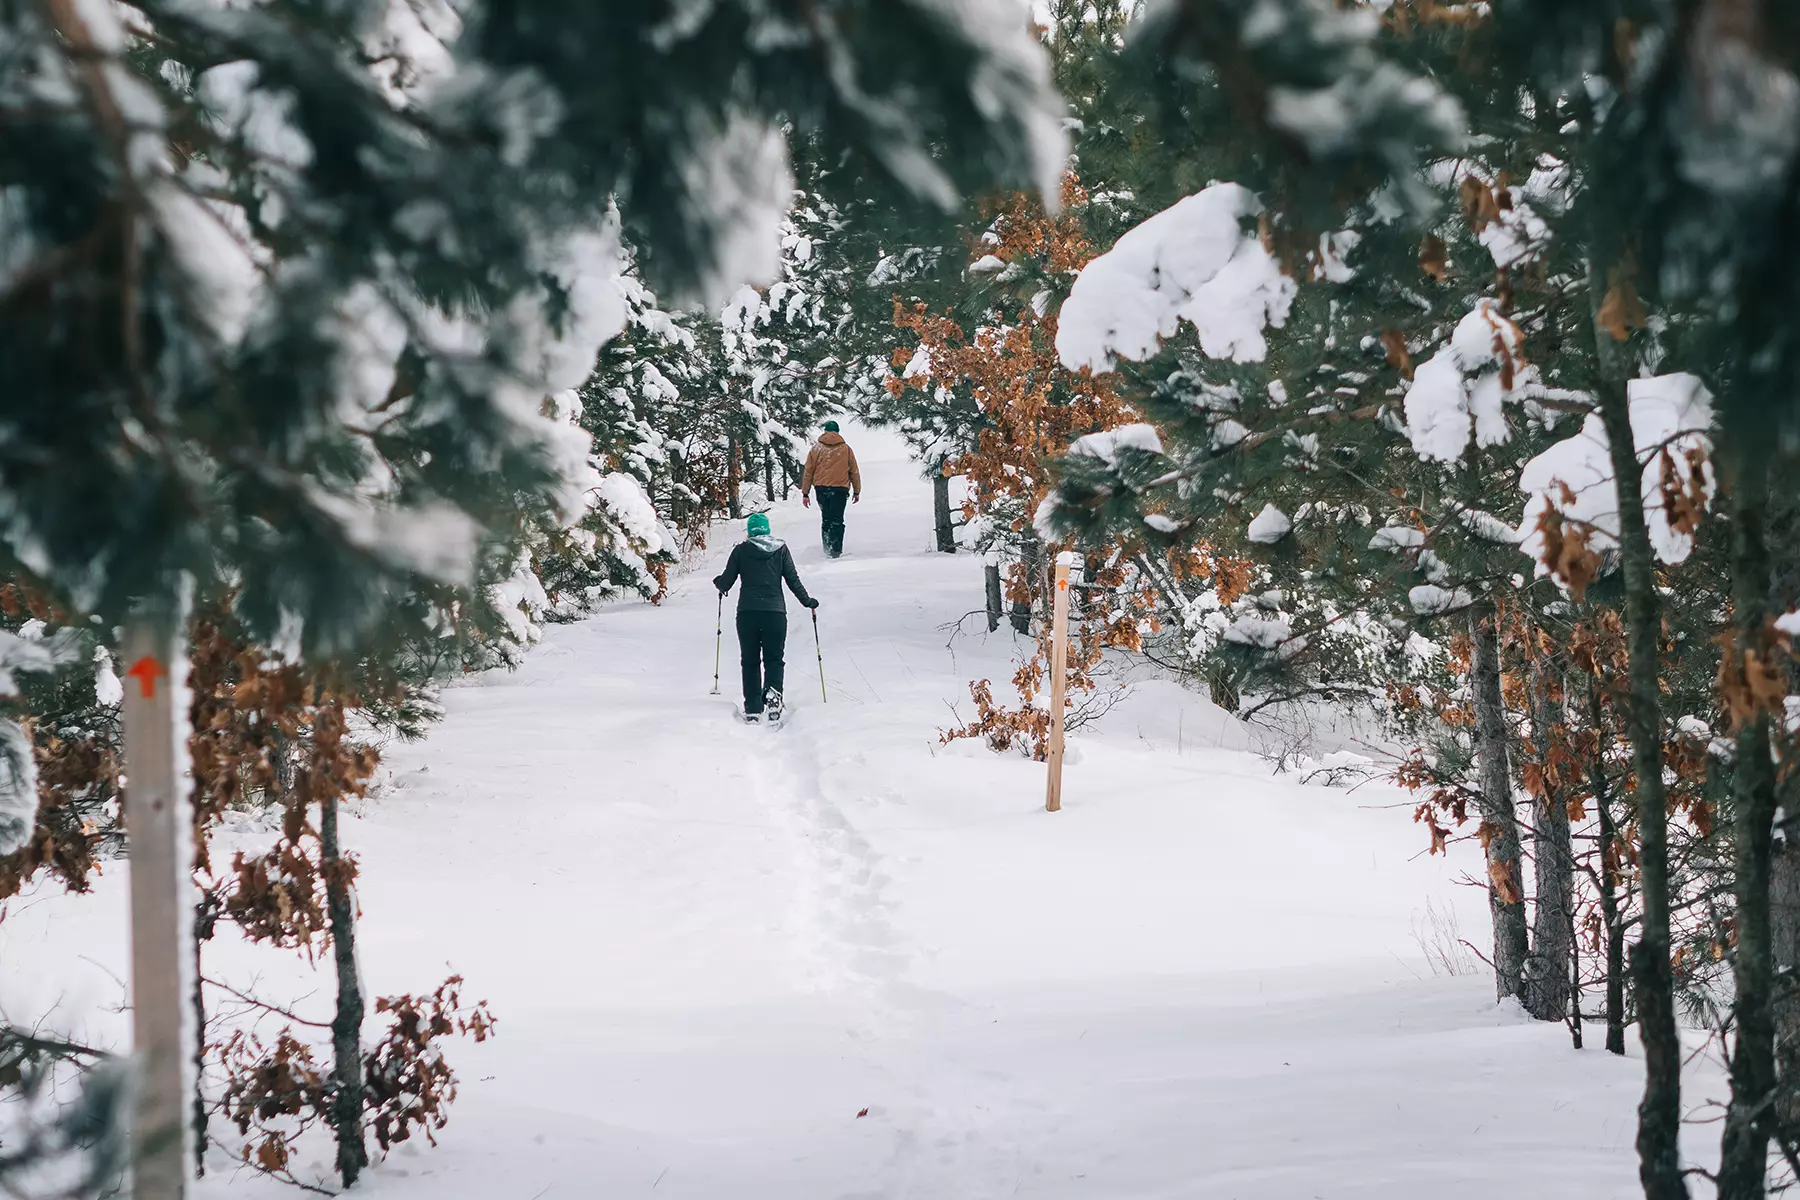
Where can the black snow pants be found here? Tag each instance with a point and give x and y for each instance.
(831, 517)
(762, 637)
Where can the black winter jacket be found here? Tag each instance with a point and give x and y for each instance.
(762, 563)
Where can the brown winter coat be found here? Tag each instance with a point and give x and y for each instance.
(831, 463)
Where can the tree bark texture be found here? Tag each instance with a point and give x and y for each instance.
(1550, 978)
(206, 916)
(1506, 880)
(996, 597)
(346, 1022)
(940, 510)
(1784, 938)
(1610, 864)
(733, 477)
(1744, 1146)
(1030, 563)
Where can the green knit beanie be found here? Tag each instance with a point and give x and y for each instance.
(758, 524)
(831, 427)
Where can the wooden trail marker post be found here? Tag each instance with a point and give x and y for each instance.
(162, 910)
(1059, 660)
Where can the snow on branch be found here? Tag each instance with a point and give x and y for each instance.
(1193, 262)
(18, 787)
(1571, 483)
(1431, 600)
(1269, 526)
(18, 760)
(1106, 444)
(1460, 392)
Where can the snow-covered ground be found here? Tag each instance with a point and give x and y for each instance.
(711, 947)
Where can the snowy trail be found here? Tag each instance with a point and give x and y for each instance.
(711, 946)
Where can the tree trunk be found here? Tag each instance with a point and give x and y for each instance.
(346, 1023)
(1744, 1147)
(1610, 863)
(1094, 602)
(768, 475)
(732, 477)
(940, 508)
(1653, 976)
(996, 599)
(1784, 937)
(1550, 981)
(1028, 565)
(206, 916)
(1500, 824)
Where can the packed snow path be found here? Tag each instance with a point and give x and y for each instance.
(712, 947)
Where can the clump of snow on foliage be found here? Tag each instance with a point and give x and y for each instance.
(262, 118)
(1269, 526)
(210, 243)
(1575, 478)
(1106, 444)
(1334, 248)
(1228, 432)
(625, 500)
(1789, 623)
(409, 47)
(1394, 538)
(370, 336)
(585, 268)
(739, 185)
(1429, 600)
(1518, 233)
(1486, 526)
(1192, 262)
(108, 691)
(1460, 391)
(18, 787)
(1252, 629)
(433, 539)
(520, 600)
(18, 760)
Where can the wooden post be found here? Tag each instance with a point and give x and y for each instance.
(162, 911)
(1059, 660)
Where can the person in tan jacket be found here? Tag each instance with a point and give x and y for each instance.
(831, 468)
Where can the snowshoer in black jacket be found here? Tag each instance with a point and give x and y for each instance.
(763, 562)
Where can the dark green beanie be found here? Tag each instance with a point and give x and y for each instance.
(831, 427)
(758, 524)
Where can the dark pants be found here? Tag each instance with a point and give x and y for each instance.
(831, 517)
(761, 638)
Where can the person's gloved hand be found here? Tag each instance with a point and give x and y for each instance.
(805, 500)
(856, 499)
(813, 603)
(720, 584)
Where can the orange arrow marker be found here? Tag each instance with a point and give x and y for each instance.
(146, 670)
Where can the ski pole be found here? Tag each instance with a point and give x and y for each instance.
(718, 642)
(821, 657)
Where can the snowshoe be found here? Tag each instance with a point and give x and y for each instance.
(773, 707)
(750, 718)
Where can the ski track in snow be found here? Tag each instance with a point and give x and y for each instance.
(710, 946)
